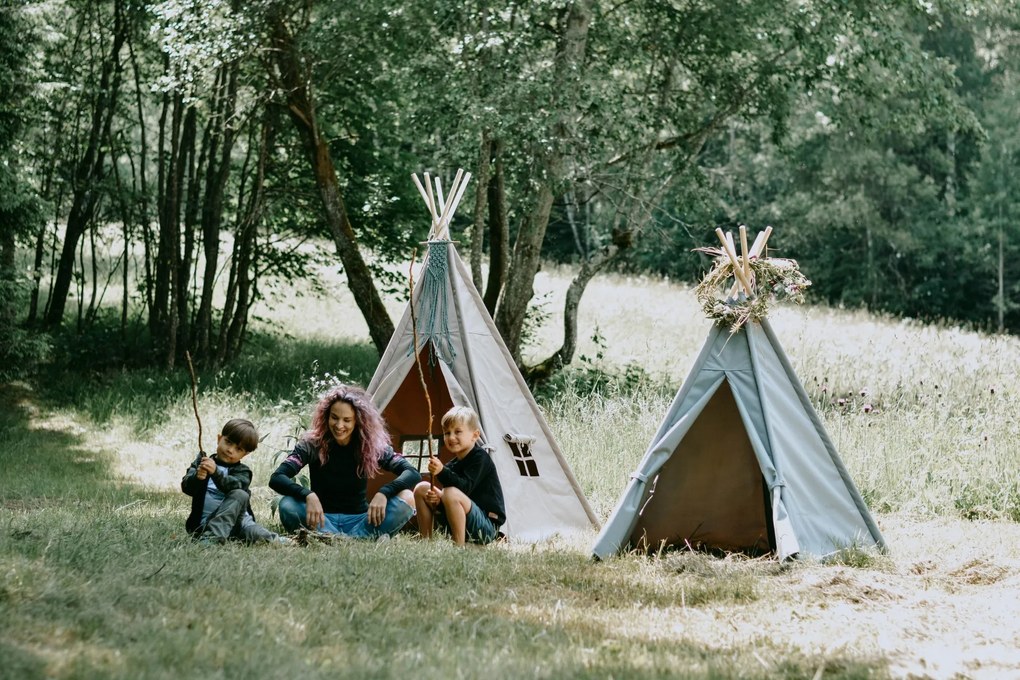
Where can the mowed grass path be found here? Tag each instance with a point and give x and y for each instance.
(97, 578)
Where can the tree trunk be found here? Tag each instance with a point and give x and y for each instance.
(565, 354)
(192, 202)
(481, 207)
(160, 275)
(40, 238)
(164, 319)
(212, 212)
(569, 62)
(140, 182)
(499, 232)
(580, 244)
(293, 74)
(8, 310)
(1001, 298)
(630, 217)
(90, 169)
(242, 263)
(37, 262)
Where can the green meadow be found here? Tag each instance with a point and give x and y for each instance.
(99, 580)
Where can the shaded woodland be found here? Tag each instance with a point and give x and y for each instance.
(166, 163)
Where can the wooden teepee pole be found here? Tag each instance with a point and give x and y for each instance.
(756, 250)
(744, 252)
(738, 270)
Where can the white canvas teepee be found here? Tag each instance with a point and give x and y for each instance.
(464, 362)
(741, 462)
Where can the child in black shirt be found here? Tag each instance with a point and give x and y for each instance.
(470, 502)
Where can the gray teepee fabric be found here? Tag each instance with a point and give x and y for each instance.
(465, 363)
(741, 462)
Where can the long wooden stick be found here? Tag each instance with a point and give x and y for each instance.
(447, 215)
(457, 179)
(421, 189)
(432, 200)
(439, 195)
(417, 359)
(758, 248)
(194, 401)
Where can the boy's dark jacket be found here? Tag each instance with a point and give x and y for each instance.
(475, 475)
(238, 476)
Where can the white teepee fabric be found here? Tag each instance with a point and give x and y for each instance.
(466, 363)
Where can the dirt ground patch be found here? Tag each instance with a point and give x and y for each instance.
(945, 604)
(959, 583)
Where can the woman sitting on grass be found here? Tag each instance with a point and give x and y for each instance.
(345, 447)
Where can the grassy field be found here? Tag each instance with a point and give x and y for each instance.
(98, 579)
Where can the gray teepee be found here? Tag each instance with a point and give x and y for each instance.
(741, 462)
(464, 362)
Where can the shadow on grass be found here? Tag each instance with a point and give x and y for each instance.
(44, 460)
(273, 369)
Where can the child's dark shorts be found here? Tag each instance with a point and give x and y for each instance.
(478, 527)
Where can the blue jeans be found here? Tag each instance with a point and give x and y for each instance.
(230, 519)
(293, 513)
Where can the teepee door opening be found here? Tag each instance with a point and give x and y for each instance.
(406, 416)
(710, 493)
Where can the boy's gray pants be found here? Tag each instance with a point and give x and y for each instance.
(231, 520)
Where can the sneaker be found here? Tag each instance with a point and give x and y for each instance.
(284, 540)
(383, 538)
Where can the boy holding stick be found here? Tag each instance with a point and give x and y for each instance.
(218, 486)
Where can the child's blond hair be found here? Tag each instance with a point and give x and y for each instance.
(462, 415)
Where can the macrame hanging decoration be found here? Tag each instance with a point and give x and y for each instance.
(434, 316)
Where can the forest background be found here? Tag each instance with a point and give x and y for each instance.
(167, 163)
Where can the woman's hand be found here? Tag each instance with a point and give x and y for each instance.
(432, 498)
(377, 509)
(315, 518)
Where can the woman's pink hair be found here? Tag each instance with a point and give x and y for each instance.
(369, 434)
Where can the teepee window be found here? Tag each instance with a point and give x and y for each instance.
(415, 449)
(520, 447)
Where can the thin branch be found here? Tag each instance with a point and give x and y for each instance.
(194, 401)
(417, 359)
